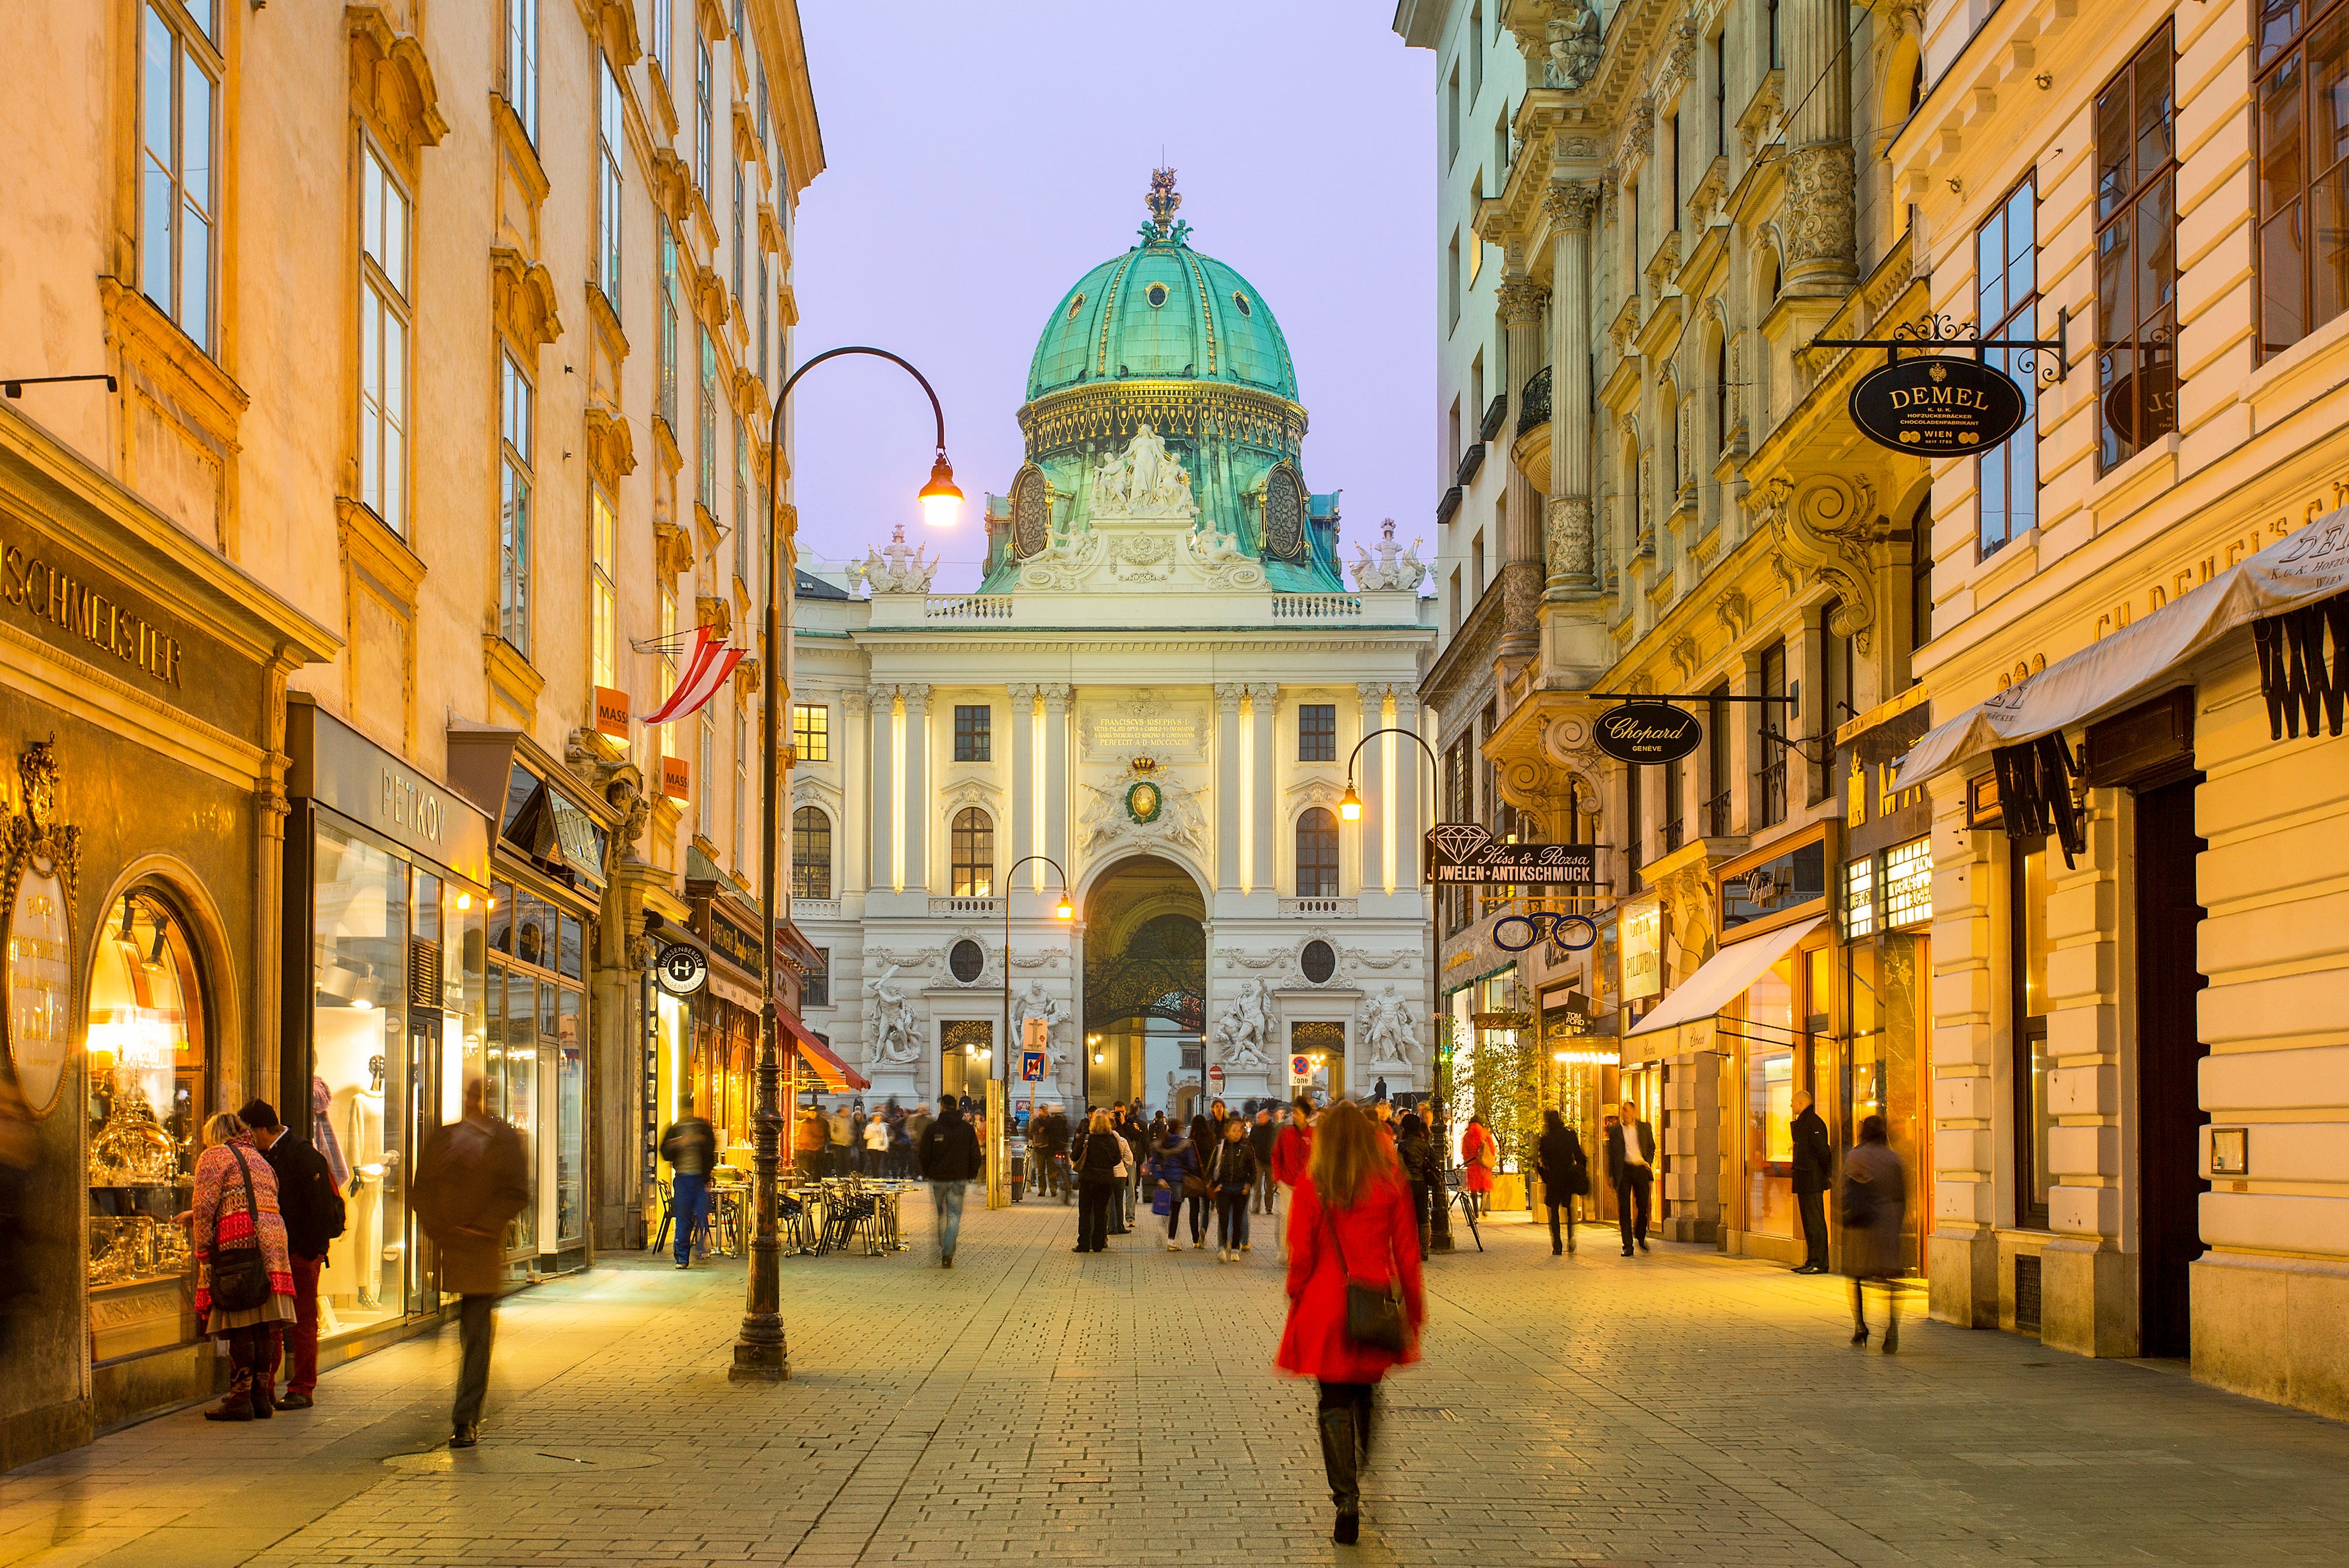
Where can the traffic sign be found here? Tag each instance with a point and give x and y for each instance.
(1032, 1067)
(1299, 1068)
(1215, 1075)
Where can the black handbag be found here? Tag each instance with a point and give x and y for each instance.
(1374, 1317)
(240, 1275)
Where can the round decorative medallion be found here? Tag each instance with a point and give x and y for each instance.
(1242, 301)
(1143, 801)
(1284, 514)
(1031, 512)
(1156, 294)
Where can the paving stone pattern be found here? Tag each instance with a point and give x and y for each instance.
(1683, 1408)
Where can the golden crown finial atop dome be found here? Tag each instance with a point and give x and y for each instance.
(1164, 202)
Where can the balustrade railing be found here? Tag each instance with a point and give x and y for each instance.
(1316, 606)
(967, 606)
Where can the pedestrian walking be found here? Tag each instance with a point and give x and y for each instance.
(471, 1179)
(1355, 1302)
(1097, 1157)
(877, 1145)
(1261, 1137)
(1057, 1175)
(1631, 1171)
(1480, 1157)
(1231, 1177)
(840, 1138)
(1121, 1194)
(1565, 1172)
(313, 1212)
(1875, 1204)
(1289, 1153)
(1813, 1173)
(244, 1274)
(1173, 1170)
(949, 1160)
(1422, 1169)
(691, 1149)
(809, 1140)
(900, 1142)
(1199, 1194)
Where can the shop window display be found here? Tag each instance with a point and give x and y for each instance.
(536, 1059)
(360, 1065)
(1770, 1102)
(149, 1060)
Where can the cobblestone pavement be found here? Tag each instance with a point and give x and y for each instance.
(1683, 1408)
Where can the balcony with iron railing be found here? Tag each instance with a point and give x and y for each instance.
(1529, 443)
(1770, 794)
(1717, 816)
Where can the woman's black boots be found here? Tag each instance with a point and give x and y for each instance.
(1340, 1456)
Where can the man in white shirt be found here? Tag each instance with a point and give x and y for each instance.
(1630, 1167)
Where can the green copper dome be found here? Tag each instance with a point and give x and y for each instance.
(1161, 310)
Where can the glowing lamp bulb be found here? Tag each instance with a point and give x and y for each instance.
(941, 502)
(1349, 805)
(1066, 911)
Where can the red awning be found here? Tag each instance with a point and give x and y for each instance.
(837, 1074)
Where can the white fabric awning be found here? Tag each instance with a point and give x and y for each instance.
(2309, 565)
(1722, 977)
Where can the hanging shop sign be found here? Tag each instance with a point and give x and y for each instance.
(1938, 406)
(1879, 813)
(1641, 924)
(1463, 854)
(39, 868)
(1775, 884)
(682, 967)
(1648, 734)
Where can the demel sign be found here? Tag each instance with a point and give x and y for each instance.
(1938, 405)
(1644, 734)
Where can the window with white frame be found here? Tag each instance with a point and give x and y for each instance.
(384, 318)
(180, 67)
(609, 138)
(705, 799)
(668, 326)
(521, 64)
(742, 498)
(602, 590)
(741, 229)
(668, 664)
(704, 123)
(706, 444)
(514, 456)
(664, 32)
(741, 784)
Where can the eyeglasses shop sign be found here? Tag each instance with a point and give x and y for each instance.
(1937, 405)
(1647, 732)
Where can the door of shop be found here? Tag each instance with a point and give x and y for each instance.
(2169, 1049)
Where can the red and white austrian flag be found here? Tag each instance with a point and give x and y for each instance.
(706, 669)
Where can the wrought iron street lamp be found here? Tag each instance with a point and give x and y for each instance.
(999, 1083)
(760, 1354)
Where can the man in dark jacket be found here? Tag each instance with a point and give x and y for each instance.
(313, 1212)
(471, 1179)
(1631, 1167)
(1056, 1155)
(691, 1149)
(949, 1161)
(1813, 1172)
(1261, 1137)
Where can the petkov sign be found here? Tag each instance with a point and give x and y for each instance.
(1644, 734)
(1937, 405)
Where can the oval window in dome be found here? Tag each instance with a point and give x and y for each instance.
(1076, 304)
(1242, 301)
(1156, 294)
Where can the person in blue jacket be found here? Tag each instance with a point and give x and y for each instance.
(1175, 1162)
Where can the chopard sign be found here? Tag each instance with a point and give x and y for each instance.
(1639, 733)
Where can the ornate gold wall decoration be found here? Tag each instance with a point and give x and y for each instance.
(392, 86)
(522, 294)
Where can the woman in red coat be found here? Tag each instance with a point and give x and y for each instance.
(1351, 1219)
(1480, 1154)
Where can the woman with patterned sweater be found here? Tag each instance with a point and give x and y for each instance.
(244, 1276)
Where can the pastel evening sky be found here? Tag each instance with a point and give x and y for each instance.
(984, 154)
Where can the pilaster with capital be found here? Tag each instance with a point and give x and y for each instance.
(1229, 695)
(1055, 696)
(1263, 706)
(1522, 300)
(1369, 770)
(1411, 778)
(883, 815)
(1023, 776)
(1570, 538)
(855, 830)
(919, 809)
(1816, 220)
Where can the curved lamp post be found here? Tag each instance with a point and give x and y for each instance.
(998, 1082)
(760, 1354)
(1349, 805)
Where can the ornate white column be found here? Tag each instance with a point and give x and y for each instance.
(1023, 779)
(881, 814)
(1369, 778)
(1571, 528)
(1263, 706)
(857, 791)
(1228, 697)
(916, 872)
(1055, 697)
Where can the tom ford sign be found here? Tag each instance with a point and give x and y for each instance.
(1937, 405)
